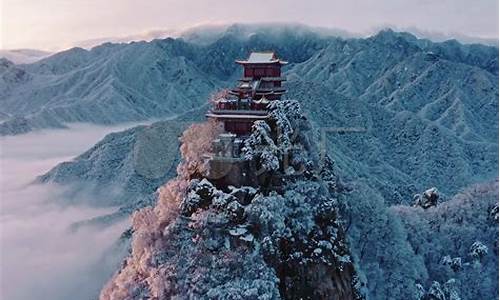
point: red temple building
(239, 109)
(260, 84)
(261, 77)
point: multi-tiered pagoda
(240, 108)
(260, 84)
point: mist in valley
(41, 255)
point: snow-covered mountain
(425, 114)
(23, 56)
(106, 85)
(258, 243)
(114, 83)
(430, 111)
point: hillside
(106, 85)
(125, 168)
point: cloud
(55, 24)
(40, 257)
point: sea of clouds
(41, 257)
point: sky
(58, 24)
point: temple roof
(262, 58)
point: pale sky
(58, 24)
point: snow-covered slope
(428, 118)
(125, 168)
(399, 153)
(449, 231)
(108, 84)
(114, 83)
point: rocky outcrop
(257, 242)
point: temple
(261, 77)
(247, 102)
(239, 108)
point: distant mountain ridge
(114, 83)
(105, 86)
(24, 56)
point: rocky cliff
(207, 242)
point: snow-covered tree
(260, 146)
(435, 292)
(427, 199)
(494, 213)
(450, 229)
(477, 251)
(453, 263)
(282, 142)
(450, 290)
(379, 245)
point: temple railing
(240, 106)
(239, 112)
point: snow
(453, 239)
(427, 199)
(238, 231)
(435, 292)
(261, 57)
(259, 145)
(247, 238)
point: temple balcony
(241, 112)
(259, 90)
(240, 107)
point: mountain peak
(388, 35)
